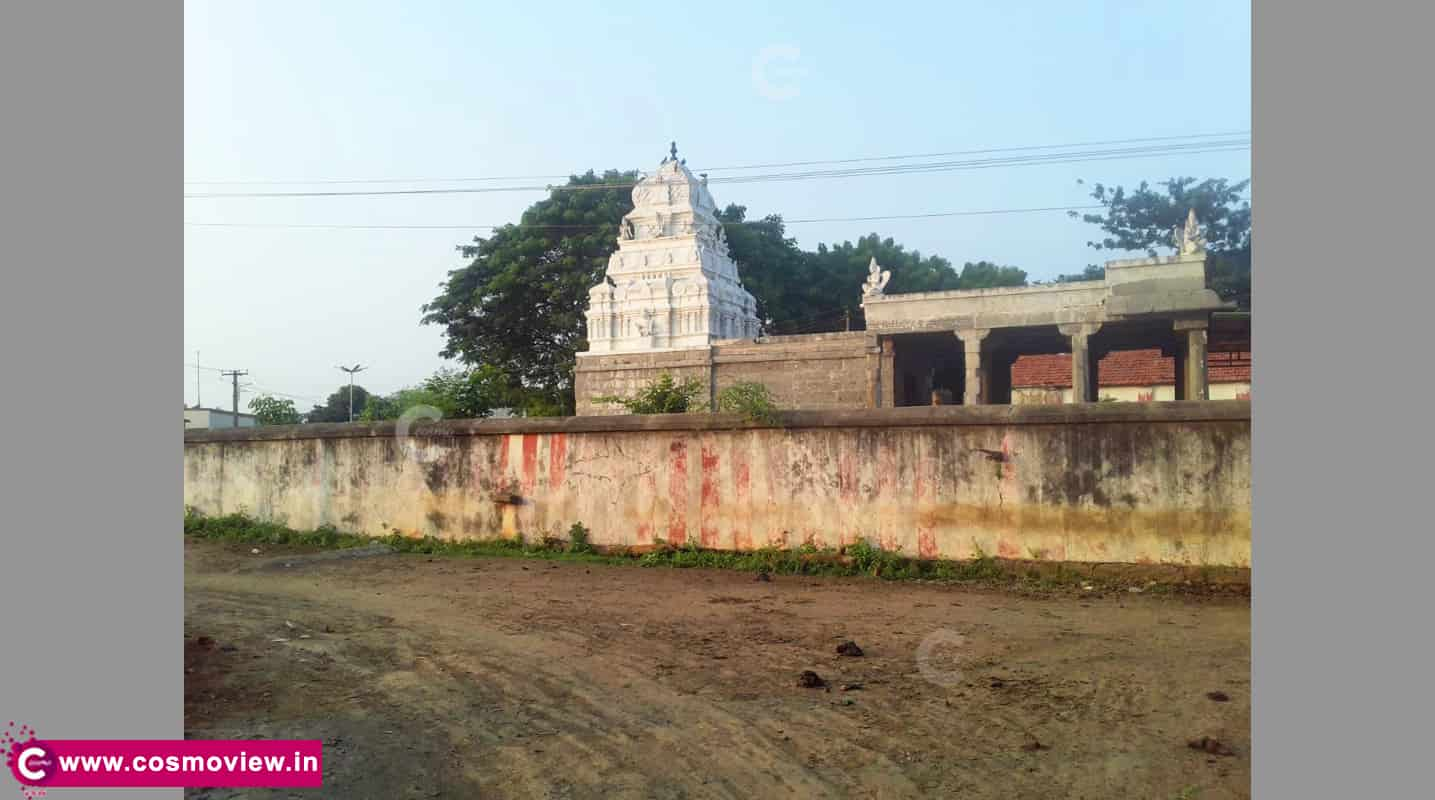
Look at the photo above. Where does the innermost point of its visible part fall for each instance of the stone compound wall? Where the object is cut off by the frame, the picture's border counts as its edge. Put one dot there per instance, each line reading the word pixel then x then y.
pixel 804 373
pixel 1126 483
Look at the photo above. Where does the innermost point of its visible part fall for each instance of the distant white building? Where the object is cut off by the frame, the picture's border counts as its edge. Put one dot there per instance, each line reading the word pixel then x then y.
pixel 197 418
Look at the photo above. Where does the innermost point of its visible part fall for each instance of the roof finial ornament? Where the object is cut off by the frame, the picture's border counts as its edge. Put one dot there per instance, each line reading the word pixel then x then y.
pixel 1189 241
pixel 876 279
pixel 673 152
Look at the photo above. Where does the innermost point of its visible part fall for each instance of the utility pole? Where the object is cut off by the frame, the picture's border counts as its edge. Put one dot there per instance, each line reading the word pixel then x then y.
pixel 351 371
pixel 198 398
pixel 235 373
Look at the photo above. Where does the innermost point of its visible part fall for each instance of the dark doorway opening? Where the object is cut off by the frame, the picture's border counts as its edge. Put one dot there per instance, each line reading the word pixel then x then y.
pixel 928 363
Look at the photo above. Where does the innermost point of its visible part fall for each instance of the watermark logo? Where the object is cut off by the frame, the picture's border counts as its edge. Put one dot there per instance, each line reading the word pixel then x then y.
pixel 406 421
pixel 775 70
pixel 30 760
pixel 937 657
pixel 39 766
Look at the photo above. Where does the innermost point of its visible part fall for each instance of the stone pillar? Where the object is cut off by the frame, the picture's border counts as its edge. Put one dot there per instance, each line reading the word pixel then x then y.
pixel 888 389
pixel 1194 333
pixel 975 382
pixel 1082 368
pixel 874 371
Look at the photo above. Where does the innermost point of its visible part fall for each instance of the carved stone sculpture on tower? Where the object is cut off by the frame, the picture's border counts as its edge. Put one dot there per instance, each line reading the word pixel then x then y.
pixel 672 284
pixel 1189 241
pixel 877 279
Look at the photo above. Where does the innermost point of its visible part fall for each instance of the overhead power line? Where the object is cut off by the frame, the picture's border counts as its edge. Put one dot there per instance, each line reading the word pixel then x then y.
pixel 263 390
pixel 769 165
pixel 1026 148
pixel 1068 157
pixel 225 373
pixel 874 218
pixel 987 163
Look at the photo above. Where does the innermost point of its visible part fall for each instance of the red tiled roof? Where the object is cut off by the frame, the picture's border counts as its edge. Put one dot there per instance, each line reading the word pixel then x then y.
pixel 1228 367
pixel 1045 371
pixel 1126 368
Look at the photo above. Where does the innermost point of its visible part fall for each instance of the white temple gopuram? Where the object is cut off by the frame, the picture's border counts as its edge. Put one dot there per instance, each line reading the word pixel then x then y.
pixel 672 284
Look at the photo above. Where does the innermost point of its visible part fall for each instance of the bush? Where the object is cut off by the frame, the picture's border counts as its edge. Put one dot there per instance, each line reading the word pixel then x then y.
pixel 871 560
pixel 752 400
pixel 663 396
pixel 578 539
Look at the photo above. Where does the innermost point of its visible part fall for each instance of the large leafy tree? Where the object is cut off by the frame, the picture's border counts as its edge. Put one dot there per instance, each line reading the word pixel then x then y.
pixel 271 410
pixel 843 267
pixel 833 279
pixel 336 406
pixel 518 305
pixel 771 264
pixel 986 275
pixel 1143 220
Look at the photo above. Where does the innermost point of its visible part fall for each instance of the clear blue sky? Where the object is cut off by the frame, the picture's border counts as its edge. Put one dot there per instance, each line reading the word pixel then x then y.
pixel 362 90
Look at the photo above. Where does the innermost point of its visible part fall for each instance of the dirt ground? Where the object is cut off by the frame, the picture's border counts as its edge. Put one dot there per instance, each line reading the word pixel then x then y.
pixel 451 677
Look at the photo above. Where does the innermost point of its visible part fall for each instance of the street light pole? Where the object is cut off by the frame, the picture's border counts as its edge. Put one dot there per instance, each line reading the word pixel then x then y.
pixel 351 371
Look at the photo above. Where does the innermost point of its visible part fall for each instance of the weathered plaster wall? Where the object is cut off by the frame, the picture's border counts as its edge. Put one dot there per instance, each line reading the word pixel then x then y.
pixel 1137 483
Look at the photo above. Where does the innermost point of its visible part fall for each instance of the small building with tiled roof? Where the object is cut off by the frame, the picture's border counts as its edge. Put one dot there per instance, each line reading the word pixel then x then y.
pixel 1127 375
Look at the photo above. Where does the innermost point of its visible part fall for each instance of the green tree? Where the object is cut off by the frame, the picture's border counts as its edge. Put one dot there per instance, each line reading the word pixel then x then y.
pixel 986 275
pixel 456 393
pixel 837 272
pixel 274 411
pixel 1093 272
pixel 393 405
pixel 773 268
pixel 518 305
pixel 472 392
pixel 1144 218
pixel 844 267
pixel 336 406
